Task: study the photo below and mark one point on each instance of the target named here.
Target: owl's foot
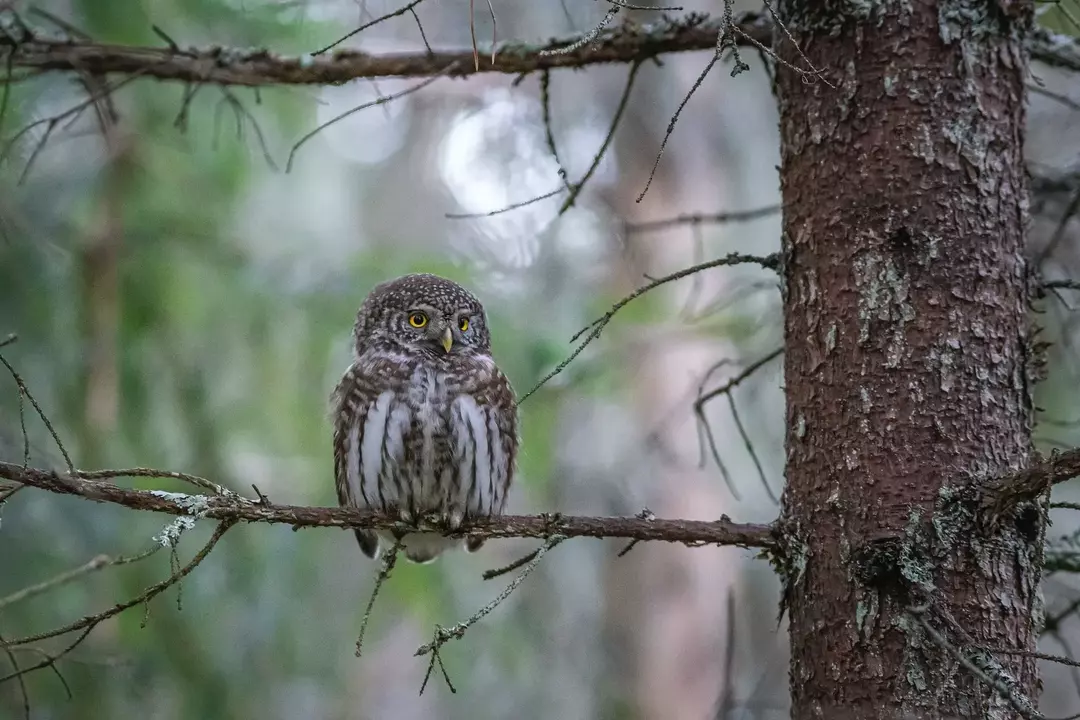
(454, 518)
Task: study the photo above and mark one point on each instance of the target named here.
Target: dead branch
(235, 508)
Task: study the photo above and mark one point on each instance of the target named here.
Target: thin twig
(695, 219)
(377, 101)
(750, 448)
(575, 189)
(443, 635)
(95, 564)
(771, 262)
(674, 119)
(705, 432)
(365, 26)
(385, 568)
(508, 208)
(25, 391)
(89, 622)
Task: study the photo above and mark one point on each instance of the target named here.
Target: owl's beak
(447, 339)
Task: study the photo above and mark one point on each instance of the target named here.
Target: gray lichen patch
(969, 133)
(830, 338)
(866, 612)
(831, 18)
(915, 562)
(942, 361)
(960, 20)
(884, 296)
(196, 505)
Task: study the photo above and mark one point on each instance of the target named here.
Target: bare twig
(444, 635)
(678, 111)
(377, 101)
(17, 672)
(1061, 285)
(982, 665)
(696, 219)
(750, 448)
(705, 429)
(508, 208)
(386, 566)
(95, 564)
(25, 392)
(597, 326)
(575, 189)
(1059, 232)
(549, 136)
(411, 7)
(195, 480)
(88, 623)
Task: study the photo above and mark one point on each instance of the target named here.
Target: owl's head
(423, 313)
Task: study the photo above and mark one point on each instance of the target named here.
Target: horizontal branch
(236, 508)
(624, 43)
(231, 66)
(1007, 491)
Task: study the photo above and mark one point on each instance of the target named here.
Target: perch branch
(235, 508)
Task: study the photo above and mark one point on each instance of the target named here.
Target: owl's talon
(454, 519)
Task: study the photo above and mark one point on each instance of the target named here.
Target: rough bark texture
(907, 357)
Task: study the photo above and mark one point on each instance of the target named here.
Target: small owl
(425, 424)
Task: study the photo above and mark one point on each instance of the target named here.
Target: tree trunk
(905, 203)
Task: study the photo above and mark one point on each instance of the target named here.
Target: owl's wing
(503, 416)
(486, 450)
(352, 400)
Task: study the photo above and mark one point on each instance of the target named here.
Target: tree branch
(236, 508)
(229, 66)
(628, 42)
(1007, 491)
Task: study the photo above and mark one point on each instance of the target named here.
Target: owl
(425, 424)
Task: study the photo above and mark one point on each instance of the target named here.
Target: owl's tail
(369, 542)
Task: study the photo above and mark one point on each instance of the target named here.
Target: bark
(907, 361)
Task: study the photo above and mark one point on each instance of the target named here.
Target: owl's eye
(418, 320)
(463, 324)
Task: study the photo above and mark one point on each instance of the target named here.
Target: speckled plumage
(419, 429)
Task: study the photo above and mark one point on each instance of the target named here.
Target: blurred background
(184, 303)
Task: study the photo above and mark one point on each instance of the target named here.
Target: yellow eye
(463, 324)
(418, 320)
